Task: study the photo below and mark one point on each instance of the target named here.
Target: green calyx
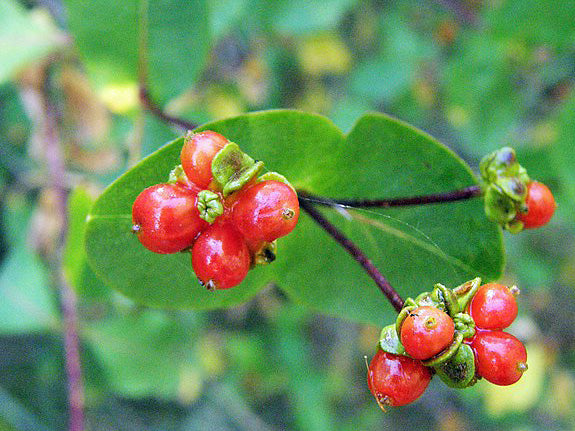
(389, 341)
(455, 364)
(274, 176)
(505, 188)
(465, 292)
(459, 370)
(446, 353)
(177, 175)
(209, 205)
(232, 168)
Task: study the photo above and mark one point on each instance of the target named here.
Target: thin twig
(386, 288)
(154, 109)
(144, 93)
(451, 196)
(57, 171)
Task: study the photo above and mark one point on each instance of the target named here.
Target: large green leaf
(381, 157)
(107, 35)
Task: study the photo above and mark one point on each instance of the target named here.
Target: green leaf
(27, 302)
(74, 258)
(25, 37)
(141, 354)
(76, 268)
(177, 41)
(381, 157)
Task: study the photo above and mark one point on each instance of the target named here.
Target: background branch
(55, 161)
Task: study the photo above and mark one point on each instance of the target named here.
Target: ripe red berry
(197, 154)
(493, 307)
(266, 211)
(540, 206)
(220, 257)
(396, 380)
(426, 331)
(166, 219)
(500, 358)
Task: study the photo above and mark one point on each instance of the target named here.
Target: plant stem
(144, 92)
(393, 297)
(452, 196)
(156, 110)
(57, 170)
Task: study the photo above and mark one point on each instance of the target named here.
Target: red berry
(500, 358)
(493, 307)
(396, 380)
(540, 206)
(166, 219)
(197, 154)
(266, 211)
(220, 257)
(426, 331)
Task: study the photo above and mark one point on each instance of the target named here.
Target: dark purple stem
(381, 282)
(57, 171)
(154, 109)
(451, 196)
(144, 93)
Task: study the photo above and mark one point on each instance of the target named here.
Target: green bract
(455, 364)
(232, 168)
(505, 188)
(459, 371)
(379, 157)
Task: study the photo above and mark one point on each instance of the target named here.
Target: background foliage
(476, 75)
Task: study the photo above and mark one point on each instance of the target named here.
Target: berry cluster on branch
(512, 199)
(217, 206)
(455, 334)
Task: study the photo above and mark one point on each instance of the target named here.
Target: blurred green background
(475, 74)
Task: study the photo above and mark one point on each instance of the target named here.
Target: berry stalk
(381, 282)
(451, 196)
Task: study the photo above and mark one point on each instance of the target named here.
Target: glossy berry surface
(197, 155)
(266, 211)
(493, 307)
(426, 331)
(165, 218)
(220, 257)
(500, 358)
(396, 380)
(540, 206)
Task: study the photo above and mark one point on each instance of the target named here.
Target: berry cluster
(454, 333)
(512, 199)
(500, 358)
(217, 207)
